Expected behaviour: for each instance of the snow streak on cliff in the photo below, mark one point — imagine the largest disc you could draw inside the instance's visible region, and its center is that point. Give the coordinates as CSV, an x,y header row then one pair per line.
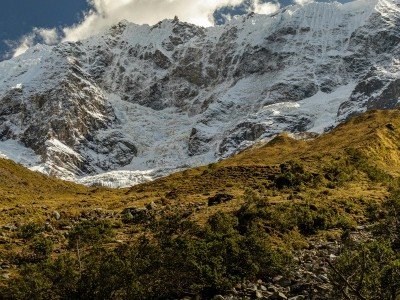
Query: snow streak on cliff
x,y
137,102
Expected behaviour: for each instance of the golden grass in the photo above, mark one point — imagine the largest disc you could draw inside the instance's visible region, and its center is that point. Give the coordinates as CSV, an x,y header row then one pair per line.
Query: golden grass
x,y
38,196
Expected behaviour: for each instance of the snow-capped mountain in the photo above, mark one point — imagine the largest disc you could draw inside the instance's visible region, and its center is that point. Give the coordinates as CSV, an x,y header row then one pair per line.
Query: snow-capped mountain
x,y
137,102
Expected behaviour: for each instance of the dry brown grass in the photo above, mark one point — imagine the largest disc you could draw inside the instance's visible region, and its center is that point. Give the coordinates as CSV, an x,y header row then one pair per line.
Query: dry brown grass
x,y
38,196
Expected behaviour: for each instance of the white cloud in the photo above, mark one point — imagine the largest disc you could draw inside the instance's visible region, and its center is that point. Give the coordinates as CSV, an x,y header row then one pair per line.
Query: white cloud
x,y
265,8
303,2
108,12
105,13
42,35
49,36
25,43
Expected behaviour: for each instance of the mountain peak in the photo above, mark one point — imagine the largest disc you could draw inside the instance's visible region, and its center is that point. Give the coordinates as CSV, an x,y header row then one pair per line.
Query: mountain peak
x,y
140,101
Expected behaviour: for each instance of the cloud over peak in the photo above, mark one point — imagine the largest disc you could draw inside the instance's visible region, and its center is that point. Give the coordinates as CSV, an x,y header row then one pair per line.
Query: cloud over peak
x,y
105,13
38,35
108,12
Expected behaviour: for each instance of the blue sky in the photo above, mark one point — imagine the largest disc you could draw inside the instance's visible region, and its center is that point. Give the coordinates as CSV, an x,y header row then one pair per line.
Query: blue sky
x,y
19,17
26,22
221,13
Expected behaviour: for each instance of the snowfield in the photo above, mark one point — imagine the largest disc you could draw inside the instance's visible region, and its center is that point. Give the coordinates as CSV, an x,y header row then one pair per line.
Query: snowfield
x,y
139,102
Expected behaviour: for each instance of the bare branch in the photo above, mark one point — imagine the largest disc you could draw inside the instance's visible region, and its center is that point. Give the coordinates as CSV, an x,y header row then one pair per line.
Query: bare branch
x,y
79,256
345,294
357,293
363,270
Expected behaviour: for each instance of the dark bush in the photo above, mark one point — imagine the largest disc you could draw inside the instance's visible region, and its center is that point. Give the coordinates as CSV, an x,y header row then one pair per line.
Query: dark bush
x,y
29,230
90,233
369,269
177,259
292,175
219,198
41,246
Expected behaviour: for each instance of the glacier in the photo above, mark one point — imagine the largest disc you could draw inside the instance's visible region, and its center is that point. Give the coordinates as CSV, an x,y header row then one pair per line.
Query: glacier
x,y
138,102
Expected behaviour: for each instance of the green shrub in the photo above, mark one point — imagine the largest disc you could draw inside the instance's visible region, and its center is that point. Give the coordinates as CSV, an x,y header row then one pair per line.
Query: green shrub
x,y
361,162
41,246
28,231
369,269
293,175
390,280
338,173
90,233
45,280
373,268
178,258
307,217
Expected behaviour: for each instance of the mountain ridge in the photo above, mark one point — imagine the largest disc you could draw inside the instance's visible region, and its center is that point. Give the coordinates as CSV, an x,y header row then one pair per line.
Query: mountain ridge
x,y
374,134
145,101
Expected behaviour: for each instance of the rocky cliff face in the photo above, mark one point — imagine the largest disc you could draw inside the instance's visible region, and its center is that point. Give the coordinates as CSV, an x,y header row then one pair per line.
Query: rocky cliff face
x,y
142,101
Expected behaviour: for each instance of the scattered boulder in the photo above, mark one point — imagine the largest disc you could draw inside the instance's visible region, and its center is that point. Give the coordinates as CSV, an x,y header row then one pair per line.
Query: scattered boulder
x,y
219,198
134,210
4,240
151,206
56,215
135,214
390,126
258,294
10,227
48,227
278,296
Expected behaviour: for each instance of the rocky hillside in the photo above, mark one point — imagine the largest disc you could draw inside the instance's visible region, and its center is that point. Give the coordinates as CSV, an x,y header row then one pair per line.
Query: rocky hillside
x,y
139,102
278,221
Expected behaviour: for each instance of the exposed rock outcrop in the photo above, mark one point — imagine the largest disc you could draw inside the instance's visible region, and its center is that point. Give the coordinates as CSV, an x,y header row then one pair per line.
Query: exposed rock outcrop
x,y
173,95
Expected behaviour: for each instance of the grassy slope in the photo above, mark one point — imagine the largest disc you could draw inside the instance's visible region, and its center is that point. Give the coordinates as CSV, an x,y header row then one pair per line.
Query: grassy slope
x,y
375,133
30,196
336,181
371,133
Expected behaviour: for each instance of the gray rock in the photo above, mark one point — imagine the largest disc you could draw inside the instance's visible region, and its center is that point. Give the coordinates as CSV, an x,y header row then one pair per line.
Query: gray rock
x,y
258,295
196,77
56,215
234,291
49,227
277,279
323,278
298,297
278,296
273,289
284,282
323,288
10,227
332,256
134,210
239,286
151,206
198,142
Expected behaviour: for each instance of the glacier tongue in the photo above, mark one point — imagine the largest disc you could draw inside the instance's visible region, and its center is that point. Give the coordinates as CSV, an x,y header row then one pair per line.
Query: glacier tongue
x,y
139,102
